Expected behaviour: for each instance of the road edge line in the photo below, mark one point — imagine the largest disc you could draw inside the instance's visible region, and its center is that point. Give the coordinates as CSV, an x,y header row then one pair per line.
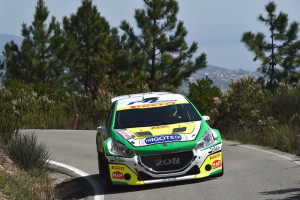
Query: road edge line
x,y
266,151
97,188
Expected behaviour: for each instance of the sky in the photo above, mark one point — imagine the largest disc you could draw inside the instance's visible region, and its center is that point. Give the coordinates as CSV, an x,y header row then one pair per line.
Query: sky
x,y
216,25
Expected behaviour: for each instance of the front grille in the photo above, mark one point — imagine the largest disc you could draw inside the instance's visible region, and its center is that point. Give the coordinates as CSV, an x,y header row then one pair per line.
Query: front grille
x,y
160,163
193,171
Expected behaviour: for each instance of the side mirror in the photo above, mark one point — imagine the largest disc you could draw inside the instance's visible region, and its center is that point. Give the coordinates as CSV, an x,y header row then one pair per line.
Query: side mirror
x,y
206,118
100,128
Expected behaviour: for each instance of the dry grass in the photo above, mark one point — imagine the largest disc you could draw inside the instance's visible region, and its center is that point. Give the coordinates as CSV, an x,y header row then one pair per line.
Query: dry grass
x,y
18,184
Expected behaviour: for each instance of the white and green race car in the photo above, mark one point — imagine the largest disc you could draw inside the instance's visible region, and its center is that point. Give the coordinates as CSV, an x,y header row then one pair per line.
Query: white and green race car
x,y
156,137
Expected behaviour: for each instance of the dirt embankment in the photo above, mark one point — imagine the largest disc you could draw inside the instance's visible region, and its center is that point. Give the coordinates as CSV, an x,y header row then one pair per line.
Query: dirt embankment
x,y
65,187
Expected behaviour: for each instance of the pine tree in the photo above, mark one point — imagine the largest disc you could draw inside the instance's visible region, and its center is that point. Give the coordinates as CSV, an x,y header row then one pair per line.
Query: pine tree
x,y
282,49
40,59
162,40
88,36
124,76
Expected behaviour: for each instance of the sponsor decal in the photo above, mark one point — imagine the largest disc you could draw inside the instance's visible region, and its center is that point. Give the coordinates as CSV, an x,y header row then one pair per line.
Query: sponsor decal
x,y
215,156
150,101
163,138
215,149
169,179
189,122
117,175
217,164
117,168
126,134
118,160
159,127
152,105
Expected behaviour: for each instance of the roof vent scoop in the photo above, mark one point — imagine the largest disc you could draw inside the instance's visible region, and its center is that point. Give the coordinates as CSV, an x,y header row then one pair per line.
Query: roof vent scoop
x,y
150,98
153,95
178,130
145,133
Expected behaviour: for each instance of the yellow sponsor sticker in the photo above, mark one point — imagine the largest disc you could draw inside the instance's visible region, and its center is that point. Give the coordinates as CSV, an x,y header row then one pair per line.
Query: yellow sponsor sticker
x,y
118,172
215,161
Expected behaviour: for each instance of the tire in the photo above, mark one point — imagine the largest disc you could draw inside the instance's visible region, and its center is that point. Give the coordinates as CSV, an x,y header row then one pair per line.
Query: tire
x,y
222,168
221,174
101,164
107,179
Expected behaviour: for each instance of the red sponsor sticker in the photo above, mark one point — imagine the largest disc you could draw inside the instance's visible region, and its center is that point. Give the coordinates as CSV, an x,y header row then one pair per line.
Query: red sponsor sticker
x,y
153,105
117,168
126,134
215,156
117,175
159,127
217,164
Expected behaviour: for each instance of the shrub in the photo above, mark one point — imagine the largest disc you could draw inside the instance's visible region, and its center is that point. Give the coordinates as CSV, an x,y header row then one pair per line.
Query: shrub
x,y
38,106
27,152
285,104
91,112
244,106
9,116
203,95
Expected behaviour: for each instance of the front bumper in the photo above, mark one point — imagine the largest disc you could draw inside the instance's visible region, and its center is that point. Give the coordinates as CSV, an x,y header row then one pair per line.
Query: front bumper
x,y
132,171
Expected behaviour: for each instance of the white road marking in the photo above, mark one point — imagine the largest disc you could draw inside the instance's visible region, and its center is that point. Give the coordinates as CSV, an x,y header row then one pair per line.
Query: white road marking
x,y
94,183
269,152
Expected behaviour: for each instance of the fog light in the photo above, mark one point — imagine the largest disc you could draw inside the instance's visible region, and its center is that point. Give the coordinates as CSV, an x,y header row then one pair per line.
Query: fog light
x,y
127,177
208,167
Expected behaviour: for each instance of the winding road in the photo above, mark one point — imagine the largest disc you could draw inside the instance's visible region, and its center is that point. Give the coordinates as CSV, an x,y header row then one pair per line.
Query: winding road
x,y
251,172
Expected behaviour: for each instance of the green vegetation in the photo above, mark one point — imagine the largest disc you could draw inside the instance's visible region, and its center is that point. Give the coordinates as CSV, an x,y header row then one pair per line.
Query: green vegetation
x,y
204,96
246,113
27,152
282,50
89,47
168,58
60,71
39,59
75,69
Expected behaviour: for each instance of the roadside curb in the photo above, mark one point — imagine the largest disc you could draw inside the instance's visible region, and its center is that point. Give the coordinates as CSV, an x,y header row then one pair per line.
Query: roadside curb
x,y
87,183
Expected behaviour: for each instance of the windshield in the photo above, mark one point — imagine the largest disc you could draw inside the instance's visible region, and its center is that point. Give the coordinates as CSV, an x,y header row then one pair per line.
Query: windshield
x,y
143,117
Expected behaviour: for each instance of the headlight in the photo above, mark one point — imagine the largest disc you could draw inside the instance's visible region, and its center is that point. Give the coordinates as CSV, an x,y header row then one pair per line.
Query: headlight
x,y
120,149
208,138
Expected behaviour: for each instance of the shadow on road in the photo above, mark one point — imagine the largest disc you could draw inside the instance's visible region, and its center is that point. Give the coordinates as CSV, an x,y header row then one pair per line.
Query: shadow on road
x,y
87,191
236,144
295,193
74,188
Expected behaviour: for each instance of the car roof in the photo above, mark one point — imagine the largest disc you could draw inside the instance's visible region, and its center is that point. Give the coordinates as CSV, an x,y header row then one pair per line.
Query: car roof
x,y
140,96
151,97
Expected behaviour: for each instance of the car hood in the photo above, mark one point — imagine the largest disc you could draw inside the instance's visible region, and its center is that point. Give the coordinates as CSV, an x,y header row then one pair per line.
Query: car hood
x,y
146,136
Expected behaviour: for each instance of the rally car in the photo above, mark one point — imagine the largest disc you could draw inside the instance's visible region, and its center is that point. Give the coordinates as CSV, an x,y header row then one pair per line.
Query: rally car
x,y
156,137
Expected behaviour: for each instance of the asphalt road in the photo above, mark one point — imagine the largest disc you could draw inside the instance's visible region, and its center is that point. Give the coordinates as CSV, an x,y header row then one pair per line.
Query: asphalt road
x,y
251,172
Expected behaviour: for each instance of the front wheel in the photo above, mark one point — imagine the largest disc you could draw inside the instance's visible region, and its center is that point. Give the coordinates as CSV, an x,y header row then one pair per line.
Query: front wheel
x,y
107,179
101,164
222,173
